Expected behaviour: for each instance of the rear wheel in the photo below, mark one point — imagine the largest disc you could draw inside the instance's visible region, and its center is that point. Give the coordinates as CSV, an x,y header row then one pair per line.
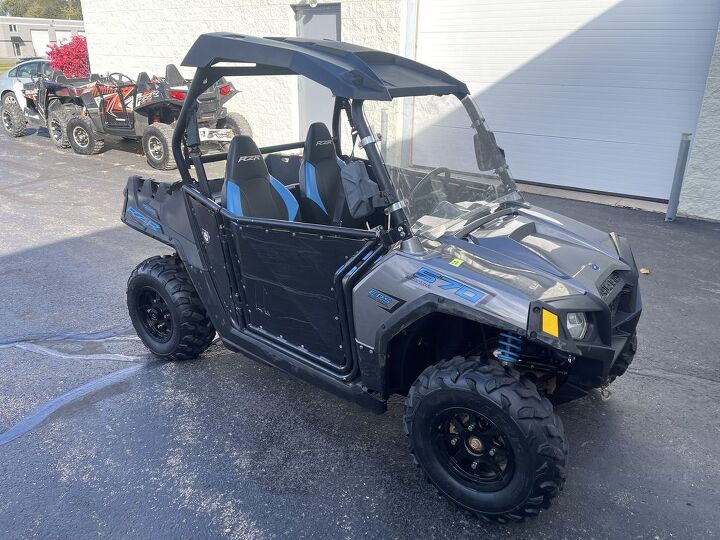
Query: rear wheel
x,y
166,311
13,119
156,141
486,439
82,136
237,122
58,120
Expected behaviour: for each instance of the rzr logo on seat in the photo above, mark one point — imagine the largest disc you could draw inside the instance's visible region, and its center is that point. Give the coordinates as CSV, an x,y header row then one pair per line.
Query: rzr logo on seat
x,y
322,143
249,158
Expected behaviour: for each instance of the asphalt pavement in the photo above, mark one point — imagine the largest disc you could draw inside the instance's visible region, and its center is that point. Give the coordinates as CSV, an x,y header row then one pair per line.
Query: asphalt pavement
x,y
100,439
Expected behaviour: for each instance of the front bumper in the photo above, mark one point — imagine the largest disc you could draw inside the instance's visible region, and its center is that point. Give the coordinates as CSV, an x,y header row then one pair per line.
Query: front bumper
x,y
613,312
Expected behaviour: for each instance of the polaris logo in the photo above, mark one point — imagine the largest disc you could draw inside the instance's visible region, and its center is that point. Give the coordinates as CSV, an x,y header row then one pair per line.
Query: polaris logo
x,y
249,158
323,143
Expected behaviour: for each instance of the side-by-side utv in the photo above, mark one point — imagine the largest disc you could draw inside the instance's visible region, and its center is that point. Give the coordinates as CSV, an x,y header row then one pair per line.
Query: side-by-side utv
x,y
49,101
146,109
80,113
411,267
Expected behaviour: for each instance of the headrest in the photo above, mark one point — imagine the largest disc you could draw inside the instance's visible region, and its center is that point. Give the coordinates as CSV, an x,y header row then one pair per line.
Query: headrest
x,y
244,160
173,76
318,144
143,79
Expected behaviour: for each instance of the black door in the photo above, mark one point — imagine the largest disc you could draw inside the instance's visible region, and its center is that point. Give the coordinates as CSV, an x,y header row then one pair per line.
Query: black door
x,y
118,100
289,287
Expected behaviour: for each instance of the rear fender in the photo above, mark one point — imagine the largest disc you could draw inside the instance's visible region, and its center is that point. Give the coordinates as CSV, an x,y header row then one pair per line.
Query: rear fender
x,y
158,209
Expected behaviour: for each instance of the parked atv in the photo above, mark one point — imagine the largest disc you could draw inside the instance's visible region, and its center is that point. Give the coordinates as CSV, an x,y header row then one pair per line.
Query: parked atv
x,y
50,101
422,273
145,109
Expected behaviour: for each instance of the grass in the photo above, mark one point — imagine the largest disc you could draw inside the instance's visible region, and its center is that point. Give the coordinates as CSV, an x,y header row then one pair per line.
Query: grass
x,y
6,65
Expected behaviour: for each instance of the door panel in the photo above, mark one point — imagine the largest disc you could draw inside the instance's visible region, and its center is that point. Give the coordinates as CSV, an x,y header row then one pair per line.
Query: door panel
x,y
288,285
117,104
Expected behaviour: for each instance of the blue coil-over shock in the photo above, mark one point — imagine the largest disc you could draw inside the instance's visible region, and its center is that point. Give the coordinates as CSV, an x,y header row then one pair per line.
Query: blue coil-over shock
x,y
509,347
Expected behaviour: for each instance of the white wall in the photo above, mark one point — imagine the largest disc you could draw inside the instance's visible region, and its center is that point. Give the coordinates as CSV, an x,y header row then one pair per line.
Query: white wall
x,y
135,35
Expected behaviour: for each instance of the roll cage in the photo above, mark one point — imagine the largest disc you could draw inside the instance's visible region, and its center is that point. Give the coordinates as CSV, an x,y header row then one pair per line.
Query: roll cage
x,y
352,73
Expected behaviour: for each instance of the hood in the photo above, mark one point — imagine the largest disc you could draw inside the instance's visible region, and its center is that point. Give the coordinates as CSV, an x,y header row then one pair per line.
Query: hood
x,y
544,253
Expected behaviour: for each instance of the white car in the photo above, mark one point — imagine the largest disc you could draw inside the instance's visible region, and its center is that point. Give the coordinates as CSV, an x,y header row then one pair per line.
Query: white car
x,y
19,74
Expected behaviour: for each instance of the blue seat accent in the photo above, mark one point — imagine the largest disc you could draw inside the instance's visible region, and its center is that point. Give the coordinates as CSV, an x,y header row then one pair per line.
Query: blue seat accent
x,y
287,197
311,187
234,205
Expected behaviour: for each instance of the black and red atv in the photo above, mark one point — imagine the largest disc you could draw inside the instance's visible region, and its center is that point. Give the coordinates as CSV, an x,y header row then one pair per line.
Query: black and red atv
x,y
81,112
48,101
146,109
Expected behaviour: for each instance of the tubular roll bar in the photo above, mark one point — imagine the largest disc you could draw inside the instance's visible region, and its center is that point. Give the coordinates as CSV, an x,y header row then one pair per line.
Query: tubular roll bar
x,y
222,156
186,131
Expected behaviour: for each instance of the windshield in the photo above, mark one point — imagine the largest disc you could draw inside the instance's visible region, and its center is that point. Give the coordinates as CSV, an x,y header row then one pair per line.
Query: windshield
x,y
443,161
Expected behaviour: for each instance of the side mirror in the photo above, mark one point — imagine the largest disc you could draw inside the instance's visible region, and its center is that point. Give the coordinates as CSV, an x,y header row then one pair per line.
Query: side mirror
x,y
488,154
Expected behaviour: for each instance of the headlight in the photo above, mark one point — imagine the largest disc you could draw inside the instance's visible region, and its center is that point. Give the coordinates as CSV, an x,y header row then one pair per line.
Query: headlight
x,y
576,324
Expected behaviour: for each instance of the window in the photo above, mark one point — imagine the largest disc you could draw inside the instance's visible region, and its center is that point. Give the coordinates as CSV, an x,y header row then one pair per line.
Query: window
x,y
12,73
26,70
13,27
16,48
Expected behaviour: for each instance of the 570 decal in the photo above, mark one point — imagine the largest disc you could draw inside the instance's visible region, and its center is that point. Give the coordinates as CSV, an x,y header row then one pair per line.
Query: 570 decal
x,y
441,281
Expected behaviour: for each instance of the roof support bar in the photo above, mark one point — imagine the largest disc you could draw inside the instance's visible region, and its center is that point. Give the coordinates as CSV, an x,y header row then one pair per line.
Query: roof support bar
x,y
397,214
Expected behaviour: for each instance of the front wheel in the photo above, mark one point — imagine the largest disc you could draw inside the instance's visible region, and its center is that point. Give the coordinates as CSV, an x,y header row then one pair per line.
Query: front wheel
x,y
486,439
13,119
166,311
157,141
58,120
625,358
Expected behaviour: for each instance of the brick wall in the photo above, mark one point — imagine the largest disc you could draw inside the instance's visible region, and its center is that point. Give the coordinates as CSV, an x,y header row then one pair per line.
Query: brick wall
x,y
138,35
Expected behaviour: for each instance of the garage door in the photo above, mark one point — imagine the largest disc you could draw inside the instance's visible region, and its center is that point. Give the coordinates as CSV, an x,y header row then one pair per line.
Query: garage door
x,y
40,41
591,94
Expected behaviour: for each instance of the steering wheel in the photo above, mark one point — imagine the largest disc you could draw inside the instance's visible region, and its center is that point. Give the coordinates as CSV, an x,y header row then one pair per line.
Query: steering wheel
x,y
433,177
120,78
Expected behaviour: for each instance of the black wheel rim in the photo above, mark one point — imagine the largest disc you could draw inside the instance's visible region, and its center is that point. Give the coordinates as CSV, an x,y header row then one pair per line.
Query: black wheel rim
x,y
154,315
473,449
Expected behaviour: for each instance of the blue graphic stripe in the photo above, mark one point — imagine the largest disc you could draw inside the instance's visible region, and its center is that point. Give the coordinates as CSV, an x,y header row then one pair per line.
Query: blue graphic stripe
x,y
311,186
232,196
290,203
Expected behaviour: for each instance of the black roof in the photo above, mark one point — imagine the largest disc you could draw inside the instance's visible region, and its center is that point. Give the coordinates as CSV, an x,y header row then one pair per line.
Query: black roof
x,y
348,70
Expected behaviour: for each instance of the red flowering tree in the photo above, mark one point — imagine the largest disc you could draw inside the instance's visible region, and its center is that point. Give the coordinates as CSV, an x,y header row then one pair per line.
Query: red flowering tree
x,y
71,58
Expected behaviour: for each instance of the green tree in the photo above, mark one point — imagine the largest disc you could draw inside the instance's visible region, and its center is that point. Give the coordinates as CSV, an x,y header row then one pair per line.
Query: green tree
x,y
16,8
49,9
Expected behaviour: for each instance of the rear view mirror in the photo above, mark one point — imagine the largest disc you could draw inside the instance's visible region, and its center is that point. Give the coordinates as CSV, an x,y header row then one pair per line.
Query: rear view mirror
x,y
488,154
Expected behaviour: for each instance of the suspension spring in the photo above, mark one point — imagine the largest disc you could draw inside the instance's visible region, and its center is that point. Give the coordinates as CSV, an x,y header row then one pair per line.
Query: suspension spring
x,y
509,347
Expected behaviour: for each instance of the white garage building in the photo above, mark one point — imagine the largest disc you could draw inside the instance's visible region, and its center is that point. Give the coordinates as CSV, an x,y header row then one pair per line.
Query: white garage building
x,y
583,94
